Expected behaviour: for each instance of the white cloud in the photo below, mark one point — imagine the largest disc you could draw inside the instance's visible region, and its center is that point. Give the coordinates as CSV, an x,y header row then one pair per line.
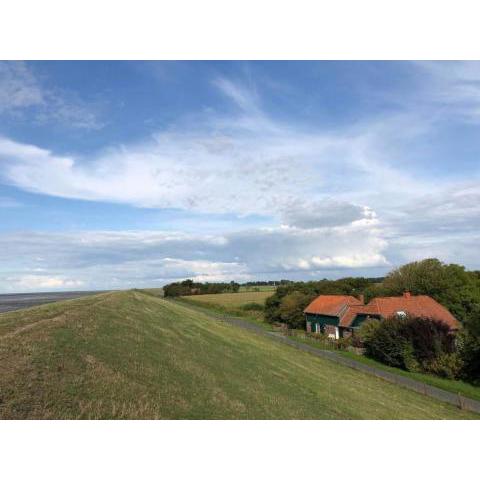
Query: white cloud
x,y
136,259
342,200
449,89
39,282
243,164
243,98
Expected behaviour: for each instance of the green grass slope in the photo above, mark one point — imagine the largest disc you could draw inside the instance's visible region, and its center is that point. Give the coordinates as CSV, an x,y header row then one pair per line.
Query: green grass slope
x,y
131,355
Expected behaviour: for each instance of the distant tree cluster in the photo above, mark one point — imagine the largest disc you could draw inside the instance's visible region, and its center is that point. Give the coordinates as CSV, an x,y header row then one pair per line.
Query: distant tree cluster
x,y
189,287
269,283
449,284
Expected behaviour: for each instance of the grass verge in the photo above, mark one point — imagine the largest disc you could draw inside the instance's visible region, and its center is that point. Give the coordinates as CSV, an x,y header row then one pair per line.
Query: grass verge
x,y
130,355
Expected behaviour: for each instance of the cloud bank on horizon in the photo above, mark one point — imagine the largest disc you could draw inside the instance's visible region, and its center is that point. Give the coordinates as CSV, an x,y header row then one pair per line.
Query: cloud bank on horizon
x,y
130,174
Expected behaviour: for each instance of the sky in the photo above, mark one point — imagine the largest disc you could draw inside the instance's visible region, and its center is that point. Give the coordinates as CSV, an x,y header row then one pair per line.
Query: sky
x,y
136,174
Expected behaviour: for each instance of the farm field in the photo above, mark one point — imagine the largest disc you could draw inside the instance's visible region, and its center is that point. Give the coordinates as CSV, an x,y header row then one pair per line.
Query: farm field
x,y
244,304
231,300
132,355
259,288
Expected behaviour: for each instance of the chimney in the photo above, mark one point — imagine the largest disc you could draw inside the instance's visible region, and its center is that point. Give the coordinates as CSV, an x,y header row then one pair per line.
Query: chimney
x,y
406,295
362,299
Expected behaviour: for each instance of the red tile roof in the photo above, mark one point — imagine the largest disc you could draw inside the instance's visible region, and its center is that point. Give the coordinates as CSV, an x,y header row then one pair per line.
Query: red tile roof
x,y
331,304
346,308
419,306
352,312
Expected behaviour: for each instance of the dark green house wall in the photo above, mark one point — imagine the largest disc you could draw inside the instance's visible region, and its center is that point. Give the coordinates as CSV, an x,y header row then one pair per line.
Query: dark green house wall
x,y
321,319
331,320
360,318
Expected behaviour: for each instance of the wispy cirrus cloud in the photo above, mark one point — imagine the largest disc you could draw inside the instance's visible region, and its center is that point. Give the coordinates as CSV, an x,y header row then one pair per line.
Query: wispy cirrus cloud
x,y
247,164
22,93
18,87
454,87
355,198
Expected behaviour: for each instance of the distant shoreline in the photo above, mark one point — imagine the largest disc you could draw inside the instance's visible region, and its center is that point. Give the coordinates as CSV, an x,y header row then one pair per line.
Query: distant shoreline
x,y
17,301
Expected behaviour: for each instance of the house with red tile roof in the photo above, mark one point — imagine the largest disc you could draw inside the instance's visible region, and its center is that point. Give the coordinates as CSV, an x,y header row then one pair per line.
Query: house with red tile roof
x,y
339,315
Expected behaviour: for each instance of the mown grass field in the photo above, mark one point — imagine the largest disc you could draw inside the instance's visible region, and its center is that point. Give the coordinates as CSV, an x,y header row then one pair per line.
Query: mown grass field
x,y
259,288
240,304
231,300
454,386
132,355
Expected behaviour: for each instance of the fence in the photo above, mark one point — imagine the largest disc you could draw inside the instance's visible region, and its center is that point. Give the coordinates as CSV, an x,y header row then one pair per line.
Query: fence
x,y
455,399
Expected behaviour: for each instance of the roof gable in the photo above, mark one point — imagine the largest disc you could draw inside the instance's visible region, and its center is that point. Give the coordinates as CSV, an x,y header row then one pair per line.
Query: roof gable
x,y
347,307
333,305
418,305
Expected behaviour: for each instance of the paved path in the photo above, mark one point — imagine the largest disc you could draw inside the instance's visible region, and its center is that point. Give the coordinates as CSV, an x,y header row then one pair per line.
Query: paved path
x,y
420,387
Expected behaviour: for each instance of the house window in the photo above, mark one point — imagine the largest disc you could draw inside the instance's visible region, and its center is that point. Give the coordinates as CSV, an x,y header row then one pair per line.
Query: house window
x,y
317,328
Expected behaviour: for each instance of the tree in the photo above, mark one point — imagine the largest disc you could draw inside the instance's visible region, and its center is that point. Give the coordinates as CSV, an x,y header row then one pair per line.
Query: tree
x,y
411,343
451,285
470,349
368,329
291,309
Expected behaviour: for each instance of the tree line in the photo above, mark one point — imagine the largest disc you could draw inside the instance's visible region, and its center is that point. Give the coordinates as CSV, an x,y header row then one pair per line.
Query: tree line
x,y
189,287
449,284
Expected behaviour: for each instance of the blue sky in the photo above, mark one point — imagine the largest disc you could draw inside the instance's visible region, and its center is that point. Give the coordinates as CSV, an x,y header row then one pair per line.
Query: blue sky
x,y
132,174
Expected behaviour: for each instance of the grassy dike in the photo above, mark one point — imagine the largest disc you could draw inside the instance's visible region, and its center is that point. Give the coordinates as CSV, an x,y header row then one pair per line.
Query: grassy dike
x,y
132,355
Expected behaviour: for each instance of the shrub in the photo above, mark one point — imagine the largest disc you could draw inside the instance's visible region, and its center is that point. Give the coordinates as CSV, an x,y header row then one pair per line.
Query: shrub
x,y
252,306
469,350
410,361
291,309
387,344
448,365
411,343
343,343
430,338
367,330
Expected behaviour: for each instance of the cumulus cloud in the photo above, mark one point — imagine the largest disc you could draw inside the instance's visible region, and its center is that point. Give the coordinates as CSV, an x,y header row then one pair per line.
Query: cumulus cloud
x,y
39,282
339,200
135,259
